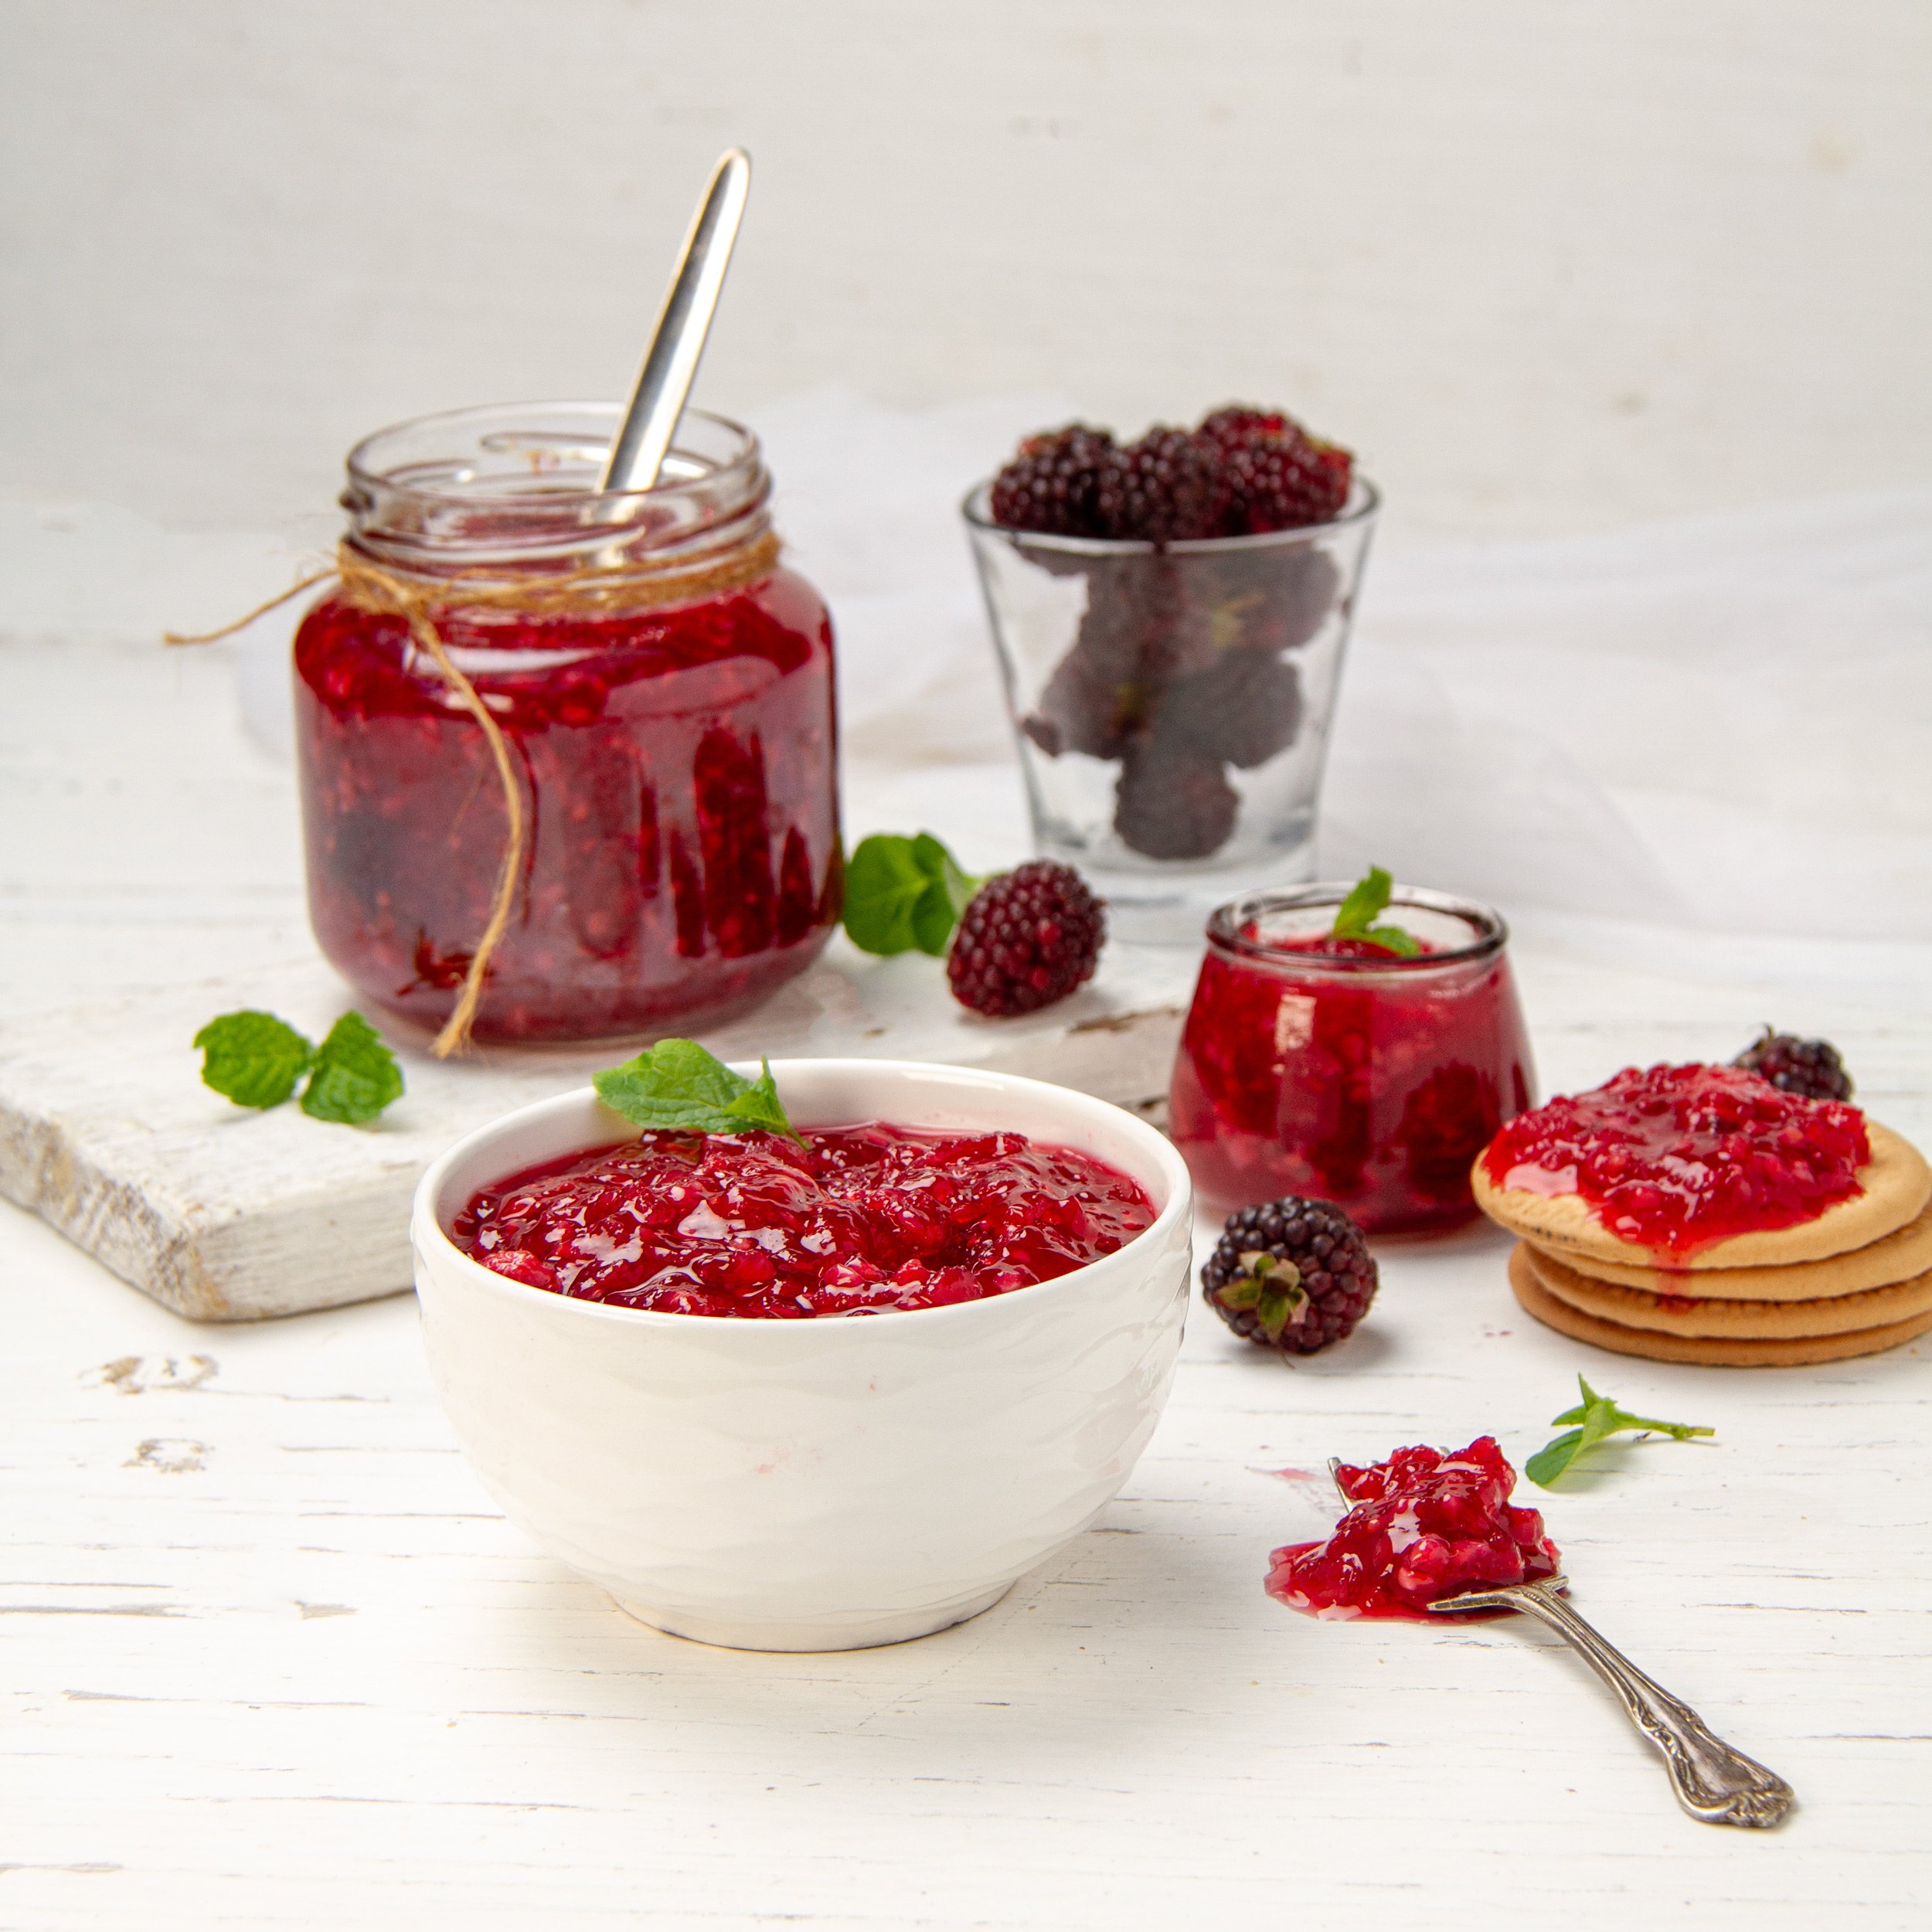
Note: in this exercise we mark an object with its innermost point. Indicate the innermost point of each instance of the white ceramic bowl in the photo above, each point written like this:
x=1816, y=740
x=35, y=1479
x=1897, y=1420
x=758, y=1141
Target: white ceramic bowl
x=816, y=1484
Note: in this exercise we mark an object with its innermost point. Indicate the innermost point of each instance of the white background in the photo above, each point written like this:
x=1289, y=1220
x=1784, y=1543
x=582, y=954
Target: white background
x=1544, y=266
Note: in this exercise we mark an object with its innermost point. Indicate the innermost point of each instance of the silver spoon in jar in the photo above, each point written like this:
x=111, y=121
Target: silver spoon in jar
x=1715, y=1783
x=677, y=343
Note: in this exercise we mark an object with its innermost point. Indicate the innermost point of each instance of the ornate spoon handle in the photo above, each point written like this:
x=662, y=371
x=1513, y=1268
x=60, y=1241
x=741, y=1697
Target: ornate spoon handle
x=1712, y=1781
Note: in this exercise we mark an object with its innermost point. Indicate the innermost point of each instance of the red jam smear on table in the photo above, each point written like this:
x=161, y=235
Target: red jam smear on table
x=1423, y=1525
x=1676, y=1158
x=857, y=1221
x=678, y=767
x=1374, y=1091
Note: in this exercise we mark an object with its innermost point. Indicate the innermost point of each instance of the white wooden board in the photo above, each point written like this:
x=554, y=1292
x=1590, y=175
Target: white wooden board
x=226, y=1214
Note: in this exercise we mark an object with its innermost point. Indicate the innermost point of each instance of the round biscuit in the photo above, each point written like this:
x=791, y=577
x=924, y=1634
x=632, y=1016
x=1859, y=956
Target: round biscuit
x=1894, y=1187
x=1902, y=1256
x=1737, y=1321
x=1711, y=1351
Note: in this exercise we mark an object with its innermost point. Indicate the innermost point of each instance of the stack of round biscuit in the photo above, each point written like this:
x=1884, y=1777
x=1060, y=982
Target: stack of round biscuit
x=1853, y=1280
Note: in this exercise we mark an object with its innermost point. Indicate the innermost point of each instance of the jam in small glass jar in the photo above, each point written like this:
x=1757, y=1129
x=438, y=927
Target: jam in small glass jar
x=1338, y=1069
x=662, y=691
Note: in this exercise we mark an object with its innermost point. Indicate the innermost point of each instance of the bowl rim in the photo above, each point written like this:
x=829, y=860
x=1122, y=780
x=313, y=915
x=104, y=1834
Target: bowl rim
x=426, y=1227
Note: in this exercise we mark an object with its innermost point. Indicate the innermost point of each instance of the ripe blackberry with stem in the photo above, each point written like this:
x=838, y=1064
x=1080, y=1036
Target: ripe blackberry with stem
x=1027, y=937
x=1294, y=1274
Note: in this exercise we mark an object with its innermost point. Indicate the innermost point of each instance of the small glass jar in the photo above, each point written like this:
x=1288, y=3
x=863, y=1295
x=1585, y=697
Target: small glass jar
x=1369, y=1081
x=663, y=690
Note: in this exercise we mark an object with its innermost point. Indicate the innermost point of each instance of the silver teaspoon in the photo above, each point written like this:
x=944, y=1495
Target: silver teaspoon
x=677, y=343
x=1713, y=1780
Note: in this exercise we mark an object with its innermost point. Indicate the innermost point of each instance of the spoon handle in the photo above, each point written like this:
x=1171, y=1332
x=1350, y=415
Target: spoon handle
x=1713, y=1782
x=671, y=362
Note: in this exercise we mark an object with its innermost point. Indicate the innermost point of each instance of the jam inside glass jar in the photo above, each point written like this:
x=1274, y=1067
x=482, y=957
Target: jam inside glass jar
x=1341, y=1071
x=663, y=687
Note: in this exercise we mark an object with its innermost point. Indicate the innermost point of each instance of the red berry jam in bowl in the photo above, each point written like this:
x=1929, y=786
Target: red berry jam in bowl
x=1422, y=1526
x=1336, y=1069
x=1677, y=1158
x=664, y=689
x=857, y=1220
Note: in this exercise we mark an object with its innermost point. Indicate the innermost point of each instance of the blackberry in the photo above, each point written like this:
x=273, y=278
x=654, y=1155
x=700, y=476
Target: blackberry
x=1051, y=485
x=1168, y=488
x=1809, y=1068
x=1097, y=698
x=1285, y=482
x=1292, y=1274
x=1173, y=803
x=1243, y=711
x=1239, y=422
x=1027, y=938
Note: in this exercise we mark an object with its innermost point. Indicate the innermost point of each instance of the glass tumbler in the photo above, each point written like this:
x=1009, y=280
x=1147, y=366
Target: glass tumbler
x=1172, y=701
x=1369, y=1081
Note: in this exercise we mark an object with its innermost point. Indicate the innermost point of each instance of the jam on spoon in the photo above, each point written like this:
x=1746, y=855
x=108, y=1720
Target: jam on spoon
x=1396, y=1553
x=1422, y=1526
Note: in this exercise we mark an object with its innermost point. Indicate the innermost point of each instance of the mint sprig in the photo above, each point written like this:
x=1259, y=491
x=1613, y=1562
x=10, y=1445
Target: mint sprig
x=1355, y=917
x=678, y=1086
x=355, y=1076
x=1598, y=1416
x=903, y=894
x=258, y=1060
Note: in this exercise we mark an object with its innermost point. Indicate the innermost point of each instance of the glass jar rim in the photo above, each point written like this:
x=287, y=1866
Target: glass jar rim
x=1225, y=936
x=511, y=488
x=682, y=466
x=1364, y=500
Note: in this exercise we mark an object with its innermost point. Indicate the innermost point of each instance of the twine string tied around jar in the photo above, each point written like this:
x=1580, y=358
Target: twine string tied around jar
x=603, y=591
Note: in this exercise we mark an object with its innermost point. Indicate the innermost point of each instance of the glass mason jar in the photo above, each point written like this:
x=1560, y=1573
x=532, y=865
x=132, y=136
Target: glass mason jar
x=661, y=686
x=1172, y=701
x=1370, y=1081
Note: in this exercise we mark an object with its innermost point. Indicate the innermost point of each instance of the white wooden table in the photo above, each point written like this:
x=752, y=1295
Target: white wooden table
x=271, y=1660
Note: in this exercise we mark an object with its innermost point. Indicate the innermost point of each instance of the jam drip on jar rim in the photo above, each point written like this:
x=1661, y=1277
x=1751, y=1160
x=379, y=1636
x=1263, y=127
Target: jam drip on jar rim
x=1424, y=1525
x=1677, y=1158
x=858, y=1220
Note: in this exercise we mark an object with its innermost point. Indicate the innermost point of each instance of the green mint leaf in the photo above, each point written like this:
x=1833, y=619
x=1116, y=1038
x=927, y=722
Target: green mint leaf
x=1599, y=1417
x=355, y=1076
x=1356, y=916
x=1394, y=939
x=948, y=895
x=1553, y=1458
x=677, y=1085
x=1365, y=903
x=253, y=1058
x=904, y=894
x=758, y=1107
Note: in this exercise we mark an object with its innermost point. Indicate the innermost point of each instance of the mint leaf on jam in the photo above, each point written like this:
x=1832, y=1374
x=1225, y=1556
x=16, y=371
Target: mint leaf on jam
x=355, y=1076
x=676, y=1085
x=252, y=1057
x=1355, y=917
x=903, y=894
x=257, y=1060
x=1598, y=1416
